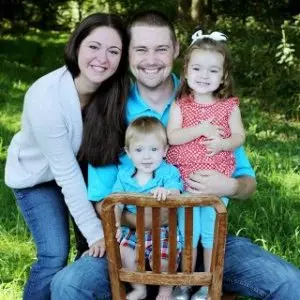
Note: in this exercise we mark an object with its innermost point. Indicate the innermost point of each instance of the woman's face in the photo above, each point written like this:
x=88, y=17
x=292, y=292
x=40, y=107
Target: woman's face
x=99, y=55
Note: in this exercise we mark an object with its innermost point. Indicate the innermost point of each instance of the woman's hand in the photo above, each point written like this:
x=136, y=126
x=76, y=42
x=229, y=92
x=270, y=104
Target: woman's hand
x=97, y=249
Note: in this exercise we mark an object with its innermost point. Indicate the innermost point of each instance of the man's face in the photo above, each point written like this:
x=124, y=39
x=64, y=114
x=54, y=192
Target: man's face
x=151, y=54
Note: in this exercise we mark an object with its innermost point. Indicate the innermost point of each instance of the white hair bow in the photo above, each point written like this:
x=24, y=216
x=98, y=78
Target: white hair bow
x=217, y=36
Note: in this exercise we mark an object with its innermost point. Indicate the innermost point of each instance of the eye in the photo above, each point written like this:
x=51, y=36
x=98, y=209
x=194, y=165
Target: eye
x=162, y=50
x=196, y=69
x=93, y=47
x=154, y=149
x=214, y=71
x=140, y=50
x=138, y=150
x=114, y=52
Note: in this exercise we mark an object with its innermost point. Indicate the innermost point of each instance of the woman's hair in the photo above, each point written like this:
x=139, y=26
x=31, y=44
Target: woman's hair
x=104, y=122
x=143, y=126
x=225, y=89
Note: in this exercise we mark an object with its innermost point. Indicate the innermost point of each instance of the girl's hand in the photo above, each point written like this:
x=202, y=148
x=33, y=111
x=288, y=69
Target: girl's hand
x=209, y=130
x=160, y=193
x=97, y=249
x=214, y=145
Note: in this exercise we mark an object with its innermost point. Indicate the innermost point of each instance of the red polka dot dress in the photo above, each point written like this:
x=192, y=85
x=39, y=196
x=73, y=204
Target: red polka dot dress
x=192, y=156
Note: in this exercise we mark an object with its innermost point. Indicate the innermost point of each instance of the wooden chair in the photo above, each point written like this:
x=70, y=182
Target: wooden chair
x=120, y=275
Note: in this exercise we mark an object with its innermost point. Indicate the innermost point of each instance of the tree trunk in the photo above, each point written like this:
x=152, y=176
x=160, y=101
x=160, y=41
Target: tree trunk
x=197, y=11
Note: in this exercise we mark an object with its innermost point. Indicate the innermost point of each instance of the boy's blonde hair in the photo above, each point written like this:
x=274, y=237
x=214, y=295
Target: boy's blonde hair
x=144, y=126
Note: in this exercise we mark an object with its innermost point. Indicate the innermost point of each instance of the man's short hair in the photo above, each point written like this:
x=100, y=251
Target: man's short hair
x=152, y=18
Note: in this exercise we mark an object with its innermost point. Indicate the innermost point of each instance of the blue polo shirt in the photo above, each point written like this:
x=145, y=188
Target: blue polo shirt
x=101, y=179
x=166, y=175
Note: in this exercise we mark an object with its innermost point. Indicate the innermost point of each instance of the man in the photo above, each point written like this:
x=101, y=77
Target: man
x=248, y=269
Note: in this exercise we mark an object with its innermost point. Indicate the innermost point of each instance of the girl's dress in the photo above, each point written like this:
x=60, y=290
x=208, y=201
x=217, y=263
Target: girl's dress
x=192, y=156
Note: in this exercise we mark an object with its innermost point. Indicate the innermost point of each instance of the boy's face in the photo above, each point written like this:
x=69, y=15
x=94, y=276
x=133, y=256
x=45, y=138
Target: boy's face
x=151, y=54
x=146, y=152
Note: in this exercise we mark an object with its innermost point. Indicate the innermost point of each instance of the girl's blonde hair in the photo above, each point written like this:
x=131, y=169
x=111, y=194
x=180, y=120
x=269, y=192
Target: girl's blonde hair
x=225, y=89
x=143, y=126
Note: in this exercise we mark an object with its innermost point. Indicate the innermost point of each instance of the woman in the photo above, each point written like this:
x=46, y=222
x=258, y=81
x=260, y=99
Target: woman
x=67, y=115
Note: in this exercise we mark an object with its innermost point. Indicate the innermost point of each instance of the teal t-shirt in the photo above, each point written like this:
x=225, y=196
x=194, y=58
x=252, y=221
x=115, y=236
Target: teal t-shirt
x=102, y=179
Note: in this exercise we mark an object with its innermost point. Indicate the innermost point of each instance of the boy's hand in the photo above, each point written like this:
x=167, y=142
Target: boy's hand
x=118, y=232
x=160, y=193
x=97, y=249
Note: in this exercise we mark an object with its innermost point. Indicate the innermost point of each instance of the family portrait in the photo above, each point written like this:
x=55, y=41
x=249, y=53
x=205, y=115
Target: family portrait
x=178, y=101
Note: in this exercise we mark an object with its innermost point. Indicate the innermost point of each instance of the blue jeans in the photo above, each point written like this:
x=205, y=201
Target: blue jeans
x=46, y=214
x=249, y=271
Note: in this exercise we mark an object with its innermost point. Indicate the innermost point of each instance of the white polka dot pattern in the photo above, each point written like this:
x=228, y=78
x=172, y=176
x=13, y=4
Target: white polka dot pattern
x=192, y=156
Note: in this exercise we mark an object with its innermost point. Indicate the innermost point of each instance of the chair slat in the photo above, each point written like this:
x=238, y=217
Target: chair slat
x=188, y=243
x=172, y=267
x=156, y=239
x=140, y=232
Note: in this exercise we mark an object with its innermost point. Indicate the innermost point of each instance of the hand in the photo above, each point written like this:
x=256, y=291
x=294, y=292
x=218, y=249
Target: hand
x=210, y=182
x=209, y=130
x=214, y=145
x=118, y=232
x=97, y=249
x=160, y=193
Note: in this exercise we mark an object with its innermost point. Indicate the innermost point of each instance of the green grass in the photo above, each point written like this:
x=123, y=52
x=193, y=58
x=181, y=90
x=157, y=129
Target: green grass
x=270, y=217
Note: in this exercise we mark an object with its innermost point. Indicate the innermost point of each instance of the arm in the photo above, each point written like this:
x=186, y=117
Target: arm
x=237, y=137
x=178, y=135
x=209, y=182
x=216, y=144
x=51, y=133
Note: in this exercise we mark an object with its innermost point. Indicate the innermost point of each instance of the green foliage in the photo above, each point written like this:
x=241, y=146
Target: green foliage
x=266, y=61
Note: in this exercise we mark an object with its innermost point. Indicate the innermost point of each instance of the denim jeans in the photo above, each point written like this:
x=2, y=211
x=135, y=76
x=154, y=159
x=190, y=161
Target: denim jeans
x=249, y=270
x=46, y=215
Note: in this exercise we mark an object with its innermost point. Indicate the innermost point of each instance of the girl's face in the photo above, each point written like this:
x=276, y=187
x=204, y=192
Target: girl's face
x=205, y=72
x=146, y=152
x=99, y=55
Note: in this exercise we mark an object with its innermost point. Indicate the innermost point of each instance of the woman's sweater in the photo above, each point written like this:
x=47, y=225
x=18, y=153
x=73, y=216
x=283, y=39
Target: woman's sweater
x=45, y=148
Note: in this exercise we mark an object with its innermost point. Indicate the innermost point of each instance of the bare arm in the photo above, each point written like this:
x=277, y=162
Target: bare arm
x=237, y=137
x=209, y=182
x=178, y=135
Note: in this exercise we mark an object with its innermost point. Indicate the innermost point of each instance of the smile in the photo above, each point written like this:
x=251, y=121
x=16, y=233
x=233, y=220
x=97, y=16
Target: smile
x=98, y=68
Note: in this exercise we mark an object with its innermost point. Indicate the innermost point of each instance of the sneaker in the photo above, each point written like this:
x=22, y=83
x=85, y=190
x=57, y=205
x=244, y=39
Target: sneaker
x=201, y=294
x=181, y=293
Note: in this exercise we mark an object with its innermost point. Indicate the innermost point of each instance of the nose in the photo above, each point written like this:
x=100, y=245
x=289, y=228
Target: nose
x=151, y=57
x=146, y=154
x=204, y=73
x=102, y=55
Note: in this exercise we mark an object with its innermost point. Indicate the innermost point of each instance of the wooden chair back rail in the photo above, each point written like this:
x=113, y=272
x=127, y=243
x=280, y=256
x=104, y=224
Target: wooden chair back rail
x=119, y=275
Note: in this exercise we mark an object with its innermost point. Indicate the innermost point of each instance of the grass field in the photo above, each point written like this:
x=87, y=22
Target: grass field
x=270, y=218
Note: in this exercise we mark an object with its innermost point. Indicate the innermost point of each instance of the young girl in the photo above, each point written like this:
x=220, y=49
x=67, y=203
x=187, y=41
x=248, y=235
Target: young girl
x=146, y=146
x=205, y=126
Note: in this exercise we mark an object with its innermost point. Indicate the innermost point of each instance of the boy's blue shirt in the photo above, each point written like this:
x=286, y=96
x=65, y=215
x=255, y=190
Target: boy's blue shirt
x=166, y=175
x=101, y=179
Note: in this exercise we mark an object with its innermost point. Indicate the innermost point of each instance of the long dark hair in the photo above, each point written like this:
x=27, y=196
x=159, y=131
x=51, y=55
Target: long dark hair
x=104, y=121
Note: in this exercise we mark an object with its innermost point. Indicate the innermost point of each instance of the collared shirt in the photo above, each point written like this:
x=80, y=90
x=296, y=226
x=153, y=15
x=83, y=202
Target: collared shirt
x=165, y=175
x=102, y=179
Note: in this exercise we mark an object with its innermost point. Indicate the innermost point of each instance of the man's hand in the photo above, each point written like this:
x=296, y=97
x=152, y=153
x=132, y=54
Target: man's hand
x=210, y=182
x=97, y=249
